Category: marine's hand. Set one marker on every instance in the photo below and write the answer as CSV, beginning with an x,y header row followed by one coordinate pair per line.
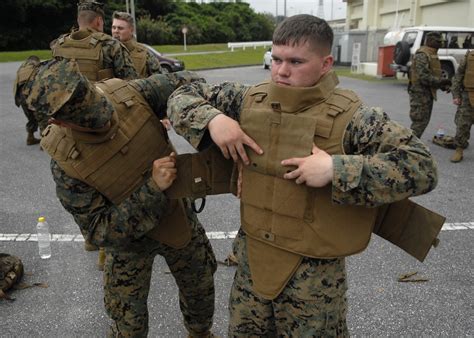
x,y
315,170
230,138
164,171
457,101
166,123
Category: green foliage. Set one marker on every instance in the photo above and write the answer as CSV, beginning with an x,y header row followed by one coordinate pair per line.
x,y
32,24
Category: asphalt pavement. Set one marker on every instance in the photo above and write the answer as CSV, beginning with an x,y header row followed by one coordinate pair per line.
x,y
72,303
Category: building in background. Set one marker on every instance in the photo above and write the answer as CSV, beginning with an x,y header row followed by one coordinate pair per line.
x,y
368,22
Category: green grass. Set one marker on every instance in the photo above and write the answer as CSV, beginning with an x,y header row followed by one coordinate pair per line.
x,y
172,49
238,57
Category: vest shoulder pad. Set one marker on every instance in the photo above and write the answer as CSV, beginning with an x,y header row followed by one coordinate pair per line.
x,y
343,99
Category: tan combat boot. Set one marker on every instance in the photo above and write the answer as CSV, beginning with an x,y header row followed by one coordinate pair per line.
x,y
458,155
30,140
101,259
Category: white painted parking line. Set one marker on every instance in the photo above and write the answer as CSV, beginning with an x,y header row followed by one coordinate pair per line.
x,y
210,235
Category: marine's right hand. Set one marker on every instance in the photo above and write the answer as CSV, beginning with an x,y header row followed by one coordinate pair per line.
x,y
230,138
457,101
164,171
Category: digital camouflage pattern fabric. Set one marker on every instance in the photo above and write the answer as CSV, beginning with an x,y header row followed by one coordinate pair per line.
x,y
382,161
21,89
122,228
316,292
421,97
465,113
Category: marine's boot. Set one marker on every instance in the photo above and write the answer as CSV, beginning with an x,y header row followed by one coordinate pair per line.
x,y
88,246
30,140
101,259
458,155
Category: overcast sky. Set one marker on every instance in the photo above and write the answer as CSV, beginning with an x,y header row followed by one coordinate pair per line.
x,y
333,9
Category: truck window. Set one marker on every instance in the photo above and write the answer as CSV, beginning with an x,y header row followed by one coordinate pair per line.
x,y
410,37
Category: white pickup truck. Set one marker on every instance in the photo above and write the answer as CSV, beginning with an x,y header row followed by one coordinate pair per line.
x,y
456,42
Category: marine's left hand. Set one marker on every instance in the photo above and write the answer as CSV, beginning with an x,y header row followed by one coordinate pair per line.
x,y
315,170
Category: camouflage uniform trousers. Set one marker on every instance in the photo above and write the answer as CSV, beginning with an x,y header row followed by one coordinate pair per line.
x,y
313,303
463,120
127,276
421,105
35,120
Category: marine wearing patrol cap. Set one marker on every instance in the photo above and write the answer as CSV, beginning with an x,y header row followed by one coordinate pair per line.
x,y
434,37
93,6
65,94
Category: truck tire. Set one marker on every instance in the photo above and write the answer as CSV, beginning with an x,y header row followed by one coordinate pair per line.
x,y
401,53
447,70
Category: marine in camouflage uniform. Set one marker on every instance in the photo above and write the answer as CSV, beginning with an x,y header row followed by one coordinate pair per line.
x,y
382,162
35,118
465,112
123,28
425,79
114,57
122,228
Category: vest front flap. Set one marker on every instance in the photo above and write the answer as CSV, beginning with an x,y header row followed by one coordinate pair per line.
x,y
271,268
469,74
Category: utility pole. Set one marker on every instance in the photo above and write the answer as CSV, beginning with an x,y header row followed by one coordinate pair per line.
x,y
130,8
284,8
276,11
320,12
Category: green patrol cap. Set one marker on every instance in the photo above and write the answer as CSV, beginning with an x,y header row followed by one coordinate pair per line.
x,y
93,6
434,36
60,90
24,73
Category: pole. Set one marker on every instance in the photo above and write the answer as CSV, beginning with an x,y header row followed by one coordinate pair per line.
x,y
276,11
132,8
184,36
127,7
284,8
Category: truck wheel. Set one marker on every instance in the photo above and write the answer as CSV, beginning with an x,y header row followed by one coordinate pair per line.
x,y
401,53
447,70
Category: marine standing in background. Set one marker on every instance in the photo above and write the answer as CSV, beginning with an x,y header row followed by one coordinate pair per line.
x,y
104,139
425,79
99,55
123,29
35,119
463,97
313,195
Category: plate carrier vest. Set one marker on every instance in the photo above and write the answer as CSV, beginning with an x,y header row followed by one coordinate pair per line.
x,y
435,67
85,46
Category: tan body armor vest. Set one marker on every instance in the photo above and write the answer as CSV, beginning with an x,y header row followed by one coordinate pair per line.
x,y
435,66
285,221
138,54
119,160
85,46
468,81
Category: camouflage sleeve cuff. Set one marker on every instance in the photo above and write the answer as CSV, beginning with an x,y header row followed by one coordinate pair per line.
x,y
347,173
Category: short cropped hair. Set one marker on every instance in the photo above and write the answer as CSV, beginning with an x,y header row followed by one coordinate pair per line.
x,y
125,17
86,17
302,28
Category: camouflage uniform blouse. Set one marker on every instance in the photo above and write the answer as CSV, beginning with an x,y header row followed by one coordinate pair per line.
x,y
425,75
383,161
102,222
